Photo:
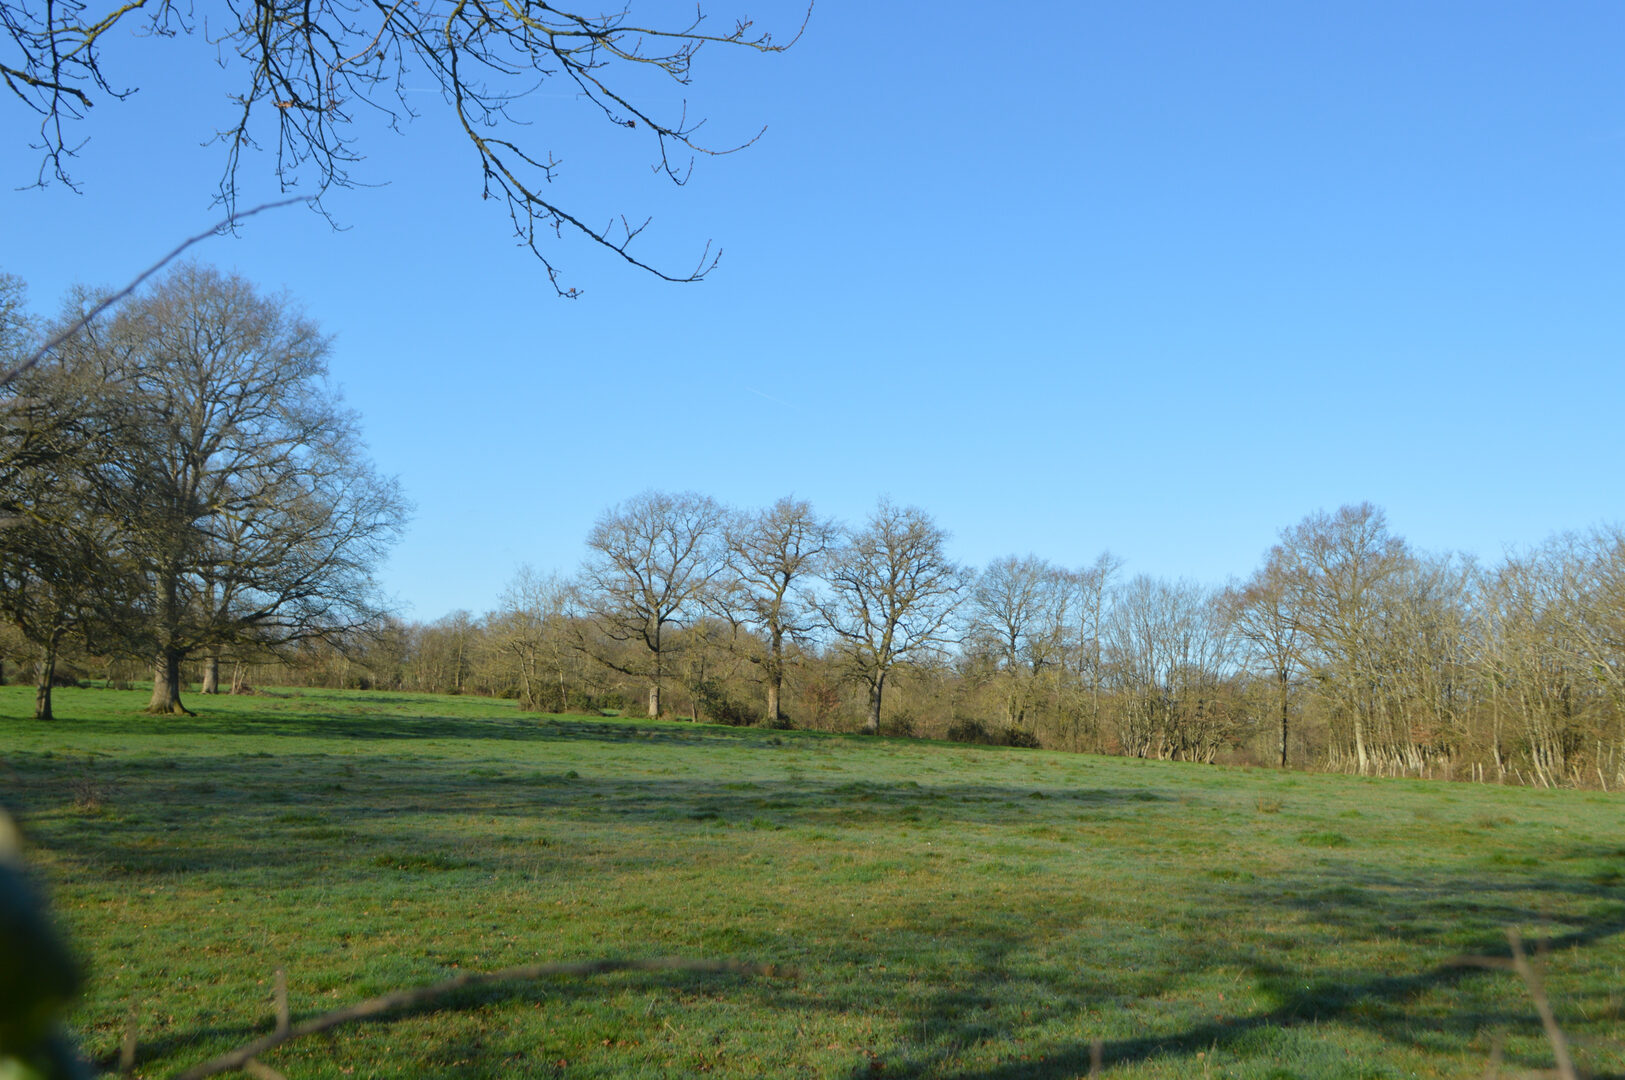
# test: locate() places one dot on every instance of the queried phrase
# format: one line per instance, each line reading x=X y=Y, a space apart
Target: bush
x=967 y=730
x=712 y=700
x=901 y=724
x=1025 y=738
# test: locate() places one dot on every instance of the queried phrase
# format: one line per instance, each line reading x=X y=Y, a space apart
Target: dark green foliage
x=968 y=730
x=1024 y=738
x=715 y=704
x=899 y=725
x=965 y=729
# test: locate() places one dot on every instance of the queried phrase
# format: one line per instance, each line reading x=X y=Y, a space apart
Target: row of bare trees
x=1344 y=649
x=179 y=487
x=1423 y=664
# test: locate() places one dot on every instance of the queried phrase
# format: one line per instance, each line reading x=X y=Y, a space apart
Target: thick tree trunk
x=46 y=672
x=211 y=673
x=1284 y=716
x=775 y=674
x=654 y=701
x=166 y=686
x=876 y=688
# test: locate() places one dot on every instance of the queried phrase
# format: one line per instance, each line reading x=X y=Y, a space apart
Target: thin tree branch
x=1537 y=990
x=88 y=317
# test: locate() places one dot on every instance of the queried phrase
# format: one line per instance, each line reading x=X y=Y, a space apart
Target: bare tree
x=770 y=556
x=255 y=516
x=1092 y=586
x=1019 y=615
x=892 y=596
x=64 y=566
x=1262 y=614
x=1169 y=650
x=1338 y=567
x=652 y=560
x=306 y=72
x=529 y=635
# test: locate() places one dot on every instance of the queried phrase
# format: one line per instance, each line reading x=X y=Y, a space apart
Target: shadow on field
x=1384 y=1005
x=372 y=724
x=1349 y=938
x=1376 y=1003
x=280 y=814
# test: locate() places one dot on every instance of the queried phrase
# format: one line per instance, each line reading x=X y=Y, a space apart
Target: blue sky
x=1159 y=279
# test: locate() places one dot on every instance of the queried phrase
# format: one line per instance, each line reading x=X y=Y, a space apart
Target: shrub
x=967 y=730
x=899 y=724
x=1026 y=738
x=712 y=700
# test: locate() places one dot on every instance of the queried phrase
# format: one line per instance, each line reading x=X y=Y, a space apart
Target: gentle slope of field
x=948 y=910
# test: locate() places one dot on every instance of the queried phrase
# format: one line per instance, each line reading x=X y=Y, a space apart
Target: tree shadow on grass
x=287 y=816
x=397 y=820
x=407 y=724
x=1381 y=1004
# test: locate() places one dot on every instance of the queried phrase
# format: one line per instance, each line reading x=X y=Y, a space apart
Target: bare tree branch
x=306 y=71
x=223 y=225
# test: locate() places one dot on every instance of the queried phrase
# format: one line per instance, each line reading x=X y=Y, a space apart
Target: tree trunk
x=527 y=697
x=654 y=701
x=872 y=725
x=775 y=673
x=1284 y=716
x=166 y=686
x=211 y=673
x=46 y=672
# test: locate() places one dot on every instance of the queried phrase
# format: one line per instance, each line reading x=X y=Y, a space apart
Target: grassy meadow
x=946 y=910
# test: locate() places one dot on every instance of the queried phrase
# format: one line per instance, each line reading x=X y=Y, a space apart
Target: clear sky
x=1156 y=278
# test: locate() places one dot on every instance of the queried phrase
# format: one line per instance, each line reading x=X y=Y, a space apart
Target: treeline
x=1345 y=649
x=183 y=497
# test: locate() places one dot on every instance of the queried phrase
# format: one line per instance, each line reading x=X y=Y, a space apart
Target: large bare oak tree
x=651 y=561
x=771 y=555
x=256 y=516
x=891 y=597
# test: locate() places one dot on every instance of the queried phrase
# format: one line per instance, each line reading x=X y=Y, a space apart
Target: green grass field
x=947 y=910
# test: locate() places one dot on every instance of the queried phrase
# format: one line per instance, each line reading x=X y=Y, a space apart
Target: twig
x=279 y=994
x=259 y=1070
x=402 y=999
x=85 y=320
x=1493 y=1069
x=126 y=1050
x=1537 y=990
